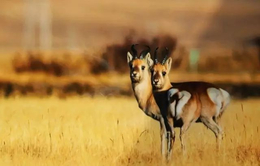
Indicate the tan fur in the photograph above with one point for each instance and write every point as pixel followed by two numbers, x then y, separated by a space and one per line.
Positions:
pixel 203 106
pixel 141 84
pixel 153 99
pixel 163 81
pixel 142 88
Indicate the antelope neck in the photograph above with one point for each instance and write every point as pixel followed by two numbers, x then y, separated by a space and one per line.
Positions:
pixel 143 92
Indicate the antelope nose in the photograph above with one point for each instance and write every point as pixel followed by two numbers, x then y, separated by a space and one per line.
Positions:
pixel 156 81
pixel 134 74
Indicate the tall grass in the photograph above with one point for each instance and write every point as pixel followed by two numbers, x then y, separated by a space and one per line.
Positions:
pixel 113 131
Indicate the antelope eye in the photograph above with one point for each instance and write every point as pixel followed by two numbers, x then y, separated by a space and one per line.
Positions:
pixel 163 73
pixel 143 67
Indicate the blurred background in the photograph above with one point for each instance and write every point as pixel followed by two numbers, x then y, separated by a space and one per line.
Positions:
pixel 66 48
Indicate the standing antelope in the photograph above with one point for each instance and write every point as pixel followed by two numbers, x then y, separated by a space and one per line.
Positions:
pixel 142 86
pixel 187 102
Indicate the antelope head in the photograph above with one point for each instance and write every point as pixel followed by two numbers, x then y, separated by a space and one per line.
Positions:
pixel 160 71
pixel 139 66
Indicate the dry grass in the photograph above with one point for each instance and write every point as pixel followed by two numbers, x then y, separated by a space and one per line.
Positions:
pixel 113 131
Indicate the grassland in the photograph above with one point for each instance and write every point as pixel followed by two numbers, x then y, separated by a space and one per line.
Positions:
pixel 113 131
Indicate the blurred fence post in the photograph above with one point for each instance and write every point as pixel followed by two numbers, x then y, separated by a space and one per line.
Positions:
pixel 193 60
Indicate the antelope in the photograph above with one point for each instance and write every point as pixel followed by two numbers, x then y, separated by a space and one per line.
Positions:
pixel 142 87
pixel 186 102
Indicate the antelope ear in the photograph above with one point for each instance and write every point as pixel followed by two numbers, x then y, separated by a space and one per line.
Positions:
pixel 129 57
pixel 168 64
pixel 149 59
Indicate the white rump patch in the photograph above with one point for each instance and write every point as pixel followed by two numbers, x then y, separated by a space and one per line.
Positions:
pixel 215 96
pixel 226 98
pixel 183 96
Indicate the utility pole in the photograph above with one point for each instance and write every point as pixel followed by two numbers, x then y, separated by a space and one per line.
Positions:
pixel 45 25
pixel 29 24
pixel 37 16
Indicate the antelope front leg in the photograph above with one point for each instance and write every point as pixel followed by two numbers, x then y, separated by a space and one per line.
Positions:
pixel 163 138
pixel 170 138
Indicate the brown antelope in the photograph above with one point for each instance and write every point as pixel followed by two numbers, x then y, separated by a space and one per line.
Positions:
pixel 186 102
pixel 142 86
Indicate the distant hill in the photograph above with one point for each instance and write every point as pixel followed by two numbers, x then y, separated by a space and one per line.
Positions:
pixel 94 24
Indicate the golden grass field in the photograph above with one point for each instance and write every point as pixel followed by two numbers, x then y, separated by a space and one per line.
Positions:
pixel 113 131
